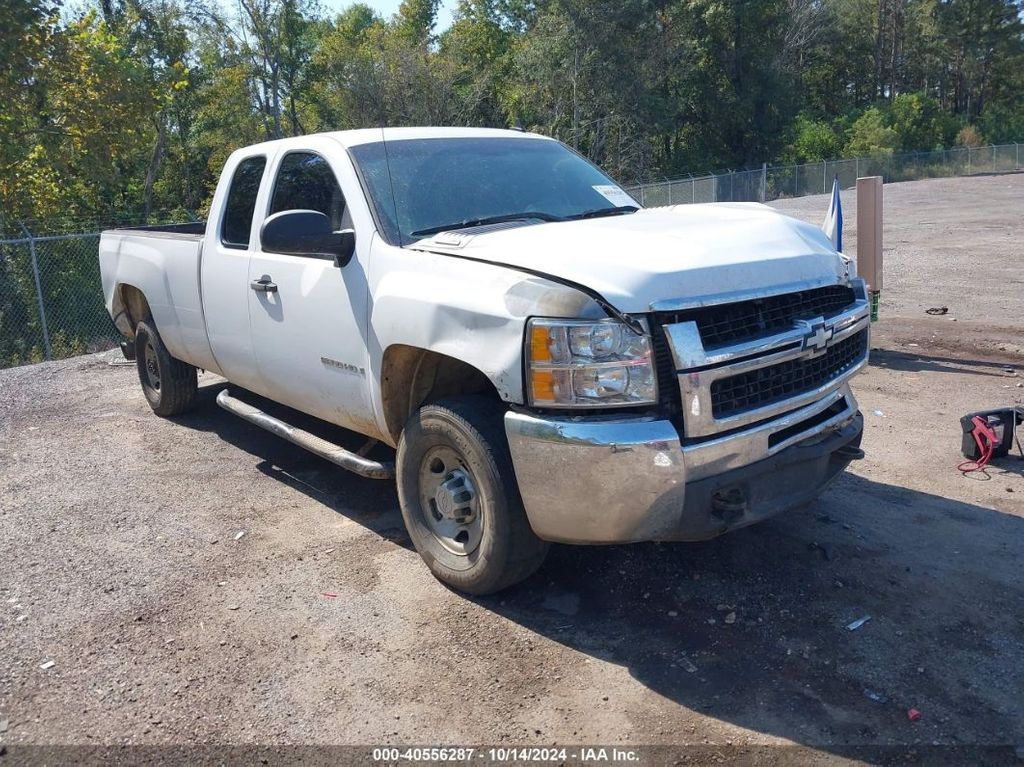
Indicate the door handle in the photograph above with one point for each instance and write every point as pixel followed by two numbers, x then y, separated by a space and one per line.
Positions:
pixel 263 285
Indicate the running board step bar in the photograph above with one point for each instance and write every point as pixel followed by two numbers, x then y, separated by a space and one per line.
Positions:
pixel 336 454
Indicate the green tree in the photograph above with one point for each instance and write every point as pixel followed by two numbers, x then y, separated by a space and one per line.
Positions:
pixel 1003 123
pixel 369 72
pixel 814 140
pixel 870 135
pixel 416 19
pixel 577 77
pixel 984 43
pixel 80 166
pixel 480 45
pixel 921 123
pixel 29 26
pixel 133 105
pixel 739 93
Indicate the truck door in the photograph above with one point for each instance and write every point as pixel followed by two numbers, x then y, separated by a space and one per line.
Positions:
pixel 308 334
pixel 225 268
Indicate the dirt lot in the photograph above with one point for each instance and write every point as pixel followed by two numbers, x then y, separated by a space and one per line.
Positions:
pixel 120 561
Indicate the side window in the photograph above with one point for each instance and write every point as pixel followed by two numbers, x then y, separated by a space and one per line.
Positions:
pixel 245 184
pixel 306 182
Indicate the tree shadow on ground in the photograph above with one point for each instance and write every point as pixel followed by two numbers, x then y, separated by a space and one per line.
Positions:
pixel 911 362
pixel 368 502
pixel 751 628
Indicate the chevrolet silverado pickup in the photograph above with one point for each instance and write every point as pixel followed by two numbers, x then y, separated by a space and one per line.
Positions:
pixel 543 360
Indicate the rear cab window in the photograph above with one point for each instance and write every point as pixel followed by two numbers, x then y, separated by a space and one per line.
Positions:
pixel 236 227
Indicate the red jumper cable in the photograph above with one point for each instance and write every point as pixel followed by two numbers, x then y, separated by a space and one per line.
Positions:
pixel 986 439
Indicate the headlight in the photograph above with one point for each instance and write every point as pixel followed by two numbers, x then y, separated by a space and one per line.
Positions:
pixel 583 363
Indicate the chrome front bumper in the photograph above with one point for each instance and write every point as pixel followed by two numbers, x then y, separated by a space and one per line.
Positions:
pixel 620 480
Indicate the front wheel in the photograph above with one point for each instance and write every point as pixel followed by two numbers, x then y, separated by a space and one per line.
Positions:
pixel 460 500
pixel 169 384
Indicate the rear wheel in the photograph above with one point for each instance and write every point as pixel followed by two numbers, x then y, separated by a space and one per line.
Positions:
pixel 460 500
pixel 169 384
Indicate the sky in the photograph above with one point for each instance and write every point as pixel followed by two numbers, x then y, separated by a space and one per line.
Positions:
pixel 388 7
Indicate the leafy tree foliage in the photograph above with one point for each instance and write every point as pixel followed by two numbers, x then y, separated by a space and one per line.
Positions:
pixel 814 140
pixel 113 109
pixel 869 135
pixel 921 123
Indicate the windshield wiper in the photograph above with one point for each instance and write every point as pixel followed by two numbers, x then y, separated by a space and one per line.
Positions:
pixel 486 220
pixel 601 212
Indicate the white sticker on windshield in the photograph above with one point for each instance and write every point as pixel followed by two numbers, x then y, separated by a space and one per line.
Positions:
pixel 614 195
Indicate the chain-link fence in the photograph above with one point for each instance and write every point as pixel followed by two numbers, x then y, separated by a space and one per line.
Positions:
pixel 51 297
pixel 773 182
pixel 51 302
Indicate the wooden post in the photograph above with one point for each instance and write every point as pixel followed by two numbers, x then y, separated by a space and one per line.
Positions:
pixel 869 237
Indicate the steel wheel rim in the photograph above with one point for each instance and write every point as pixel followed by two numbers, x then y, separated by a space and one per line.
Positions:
pixel 152 365
pixel 449 501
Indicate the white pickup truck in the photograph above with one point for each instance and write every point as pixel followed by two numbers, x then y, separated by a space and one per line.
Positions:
pixel 549 361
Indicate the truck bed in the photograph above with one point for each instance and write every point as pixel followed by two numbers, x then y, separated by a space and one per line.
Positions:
pixel 192 230
pixel 163 263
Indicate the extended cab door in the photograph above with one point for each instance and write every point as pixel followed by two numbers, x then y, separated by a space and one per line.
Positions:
pixel 308 334
pixel 225 266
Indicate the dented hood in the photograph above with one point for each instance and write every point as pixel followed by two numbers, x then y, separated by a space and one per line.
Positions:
pixel 682 253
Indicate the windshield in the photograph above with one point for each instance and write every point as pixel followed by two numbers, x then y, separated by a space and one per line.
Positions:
pixel 441 183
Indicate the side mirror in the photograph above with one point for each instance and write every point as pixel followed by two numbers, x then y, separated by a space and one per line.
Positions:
pixel 307 233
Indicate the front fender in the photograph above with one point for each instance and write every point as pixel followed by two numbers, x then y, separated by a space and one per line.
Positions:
pixel 473 312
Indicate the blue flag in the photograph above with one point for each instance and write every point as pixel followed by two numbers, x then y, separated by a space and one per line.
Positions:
pixel 833 224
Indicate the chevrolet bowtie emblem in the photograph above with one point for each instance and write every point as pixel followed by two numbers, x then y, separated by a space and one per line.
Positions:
pixel 816 334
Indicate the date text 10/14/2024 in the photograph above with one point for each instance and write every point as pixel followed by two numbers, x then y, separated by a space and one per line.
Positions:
pixel 504 754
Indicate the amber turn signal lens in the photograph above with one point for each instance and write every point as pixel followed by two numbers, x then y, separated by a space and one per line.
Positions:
pixel 540 349
pixel 542 383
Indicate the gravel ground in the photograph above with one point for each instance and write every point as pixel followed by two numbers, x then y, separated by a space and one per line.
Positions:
pixel 950 242
pixel 198 580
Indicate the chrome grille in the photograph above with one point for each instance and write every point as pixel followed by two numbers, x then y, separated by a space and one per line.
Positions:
pixel 786 352
pixel 668 385
pixel 746 320
pixel 775 383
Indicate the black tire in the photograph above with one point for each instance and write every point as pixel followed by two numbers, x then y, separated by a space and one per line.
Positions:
pixel 170 385
pixel 455 440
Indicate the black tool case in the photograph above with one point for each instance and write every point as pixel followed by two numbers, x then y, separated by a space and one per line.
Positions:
pixel 1003 422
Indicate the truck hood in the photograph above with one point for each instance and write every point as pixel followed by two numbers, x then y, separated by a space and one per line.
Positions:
pixel 686 253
